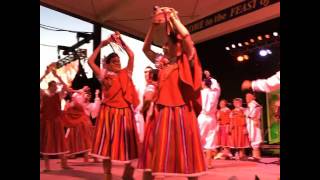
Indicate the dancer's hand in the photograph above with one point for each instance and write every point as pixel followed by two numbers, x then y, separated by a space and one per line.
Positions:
pixel 106 42
pixel 246 85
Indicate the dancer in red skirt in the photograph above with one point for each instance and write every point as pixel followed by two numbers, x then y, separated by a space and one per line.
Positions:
pixel 238 127
pixel 115 136
pixel 52 141
pixel 147 110
pixel 177 149
pixel 223 116
pixel 76 118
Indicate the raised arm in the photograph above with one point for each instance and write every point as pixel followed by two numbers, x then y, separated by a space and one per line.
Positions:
pixel 147 43
pixel 187 43
pixel 128 51
pixel 96 69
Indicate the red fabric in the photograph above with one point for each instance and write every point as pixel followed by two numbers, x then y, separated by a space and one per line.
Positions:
pixel 128 89
pixel 51 106
pixel 239 133
pixel 224 117
pixel 121 93
pixel 192 78
pixel 181 84
pixel 52 139
pixel 74 116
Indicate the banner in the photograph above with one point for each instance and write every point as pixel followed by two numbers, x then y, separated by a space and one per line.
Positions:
pixel 273 114
pixel 227 14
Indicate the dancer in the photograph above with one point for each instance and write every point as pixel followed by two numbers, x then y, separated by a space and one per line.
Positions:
pixel 207 121
pixel 52 141
pixel 223 117
pixel 147 110
pixel 253 118
pixel 76 118
pixel 177 149
pixel 115 136
pixel 238 129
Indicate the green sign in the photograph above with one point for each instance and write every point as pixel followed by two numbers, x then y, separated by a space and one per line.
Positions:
pixel 273 114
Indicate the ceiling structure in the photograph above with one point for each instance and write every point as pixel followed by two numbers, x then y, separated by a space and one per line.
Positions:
pixel 133 17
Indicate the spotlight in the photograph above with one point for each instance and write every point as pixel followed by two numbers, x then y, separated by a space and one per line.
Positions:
pixel 267 36
pixel 240 58
pixel 275 33
pixel 227 48
pixel 269 51
pixel 233 46
pixel 252 40
pixel 263 52
pixel 246 43
pixel 239 44
pixel 245 57
pixel 259 38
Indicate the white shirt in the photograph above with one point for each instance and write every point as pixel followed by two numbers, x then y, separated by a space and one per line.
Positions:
pixel 267 85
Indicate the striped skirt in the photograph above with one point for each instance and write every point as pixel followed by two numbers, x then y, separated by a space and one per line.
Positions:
pixel 145 157
pixel 52 140
pixel 176 149
pixel 115 136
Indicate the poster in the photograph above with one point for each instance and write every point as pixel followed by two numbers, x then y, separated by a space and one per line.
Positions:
pixel 273 116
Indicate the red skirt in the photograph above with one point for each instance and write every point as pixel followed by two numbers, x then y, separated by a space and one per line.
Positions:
pixel 79 139
pixel 239 137
pixel 176 150
pixel 145 157
pixel 115 135
pixel 52 140
pixel 224 137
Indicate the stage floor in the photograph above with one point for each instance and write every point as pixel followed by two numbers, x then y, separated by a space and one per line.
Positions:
pixel 223 170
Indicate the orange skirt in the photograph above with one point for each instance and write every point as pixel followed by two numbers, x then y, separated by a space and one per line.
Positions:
pixel 239 137
pixel 176 150
pixel 115 136
pixel 224 138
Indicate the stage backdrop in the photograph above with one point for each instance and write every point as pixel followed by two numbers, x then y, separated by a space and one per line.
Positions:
pixel 273 116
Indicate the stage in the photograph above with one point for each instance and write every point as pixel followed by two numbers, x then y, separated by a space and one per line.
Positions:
pixel 223 170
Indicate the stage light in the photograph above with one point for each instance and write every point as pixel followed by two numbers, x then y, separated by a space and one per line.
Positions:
pixel 227 48
pixel 267 36
pixel 259 38
pixel 240 58
pixel 239 44
pixel 263 52
pixel 275 33
pixel 269 51
pixel 246 43
pixel 233 46
pixel 245 57
pixel 252 40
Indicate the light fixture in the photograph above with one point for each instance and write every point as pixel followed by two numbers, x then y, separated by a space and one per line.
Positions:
pixel 233 46
pixel 239 44
pixel 275 33
pixel 240 58
pixel 227 48
pixel 259 38
pixel 246 43
pixel 269 51
pixel 245 57
pixel 263 52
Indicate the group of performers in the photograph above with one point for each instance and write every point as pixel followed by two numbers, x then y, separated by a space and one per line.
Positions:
pixel 180 114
